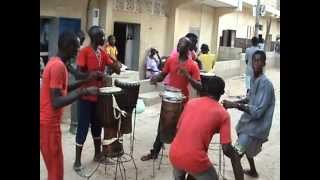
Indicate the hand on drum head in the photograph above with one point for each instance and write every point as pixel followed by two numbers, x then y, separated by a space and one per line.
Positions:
pixel 92 90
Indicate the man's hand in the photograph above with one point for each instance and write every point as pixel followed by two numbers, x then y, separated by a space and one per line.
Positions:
pixel 184 72
pixel 153 80
pixel 228 104
pixel 94 75
pixel 92 90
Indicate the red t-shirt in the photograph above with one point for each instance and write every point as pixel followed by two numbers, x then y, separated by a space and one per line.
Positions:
pixel 176 80
pixel 88 60
pixel 200 120
pixel 55 76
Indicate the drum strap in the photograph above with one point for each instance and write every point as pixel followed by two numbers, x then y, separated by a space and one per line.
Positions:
pixel 106 142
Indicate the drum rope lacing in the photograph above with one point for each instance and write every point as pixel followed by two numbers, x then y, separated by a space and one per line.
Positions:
pixel 122 113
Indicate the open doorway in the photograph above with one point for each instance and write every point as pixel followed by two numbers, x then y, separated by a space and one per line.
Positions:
pixel 128 44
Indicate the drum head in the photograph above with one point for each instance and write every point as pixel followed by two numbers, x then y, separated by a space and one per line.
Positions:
pixel 126 83
pixel 110 90
pixel 207 74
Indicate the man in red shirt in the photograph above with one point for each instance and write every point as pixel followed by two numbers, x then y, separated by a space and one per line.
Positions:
pixel 191 54
pixel 91 58
pixel 200 120
pixel 53 96
pixel 181 70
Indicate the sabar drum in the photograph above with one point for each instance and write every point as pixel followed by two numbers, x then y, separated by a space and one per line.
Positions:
pixel 171 108
pixel 106 115
pixel 127 101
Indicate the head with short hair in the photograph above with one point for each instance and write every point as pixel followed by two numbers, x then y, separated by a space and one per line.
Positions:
pixel 204 48
pixel 81 36
pixel 254 41
pixel 215 87
pixel 68 44
pixel 194 40
pixel 112 40
pixel 97 36
pixel 184 45
pixel 258 62
pixel 153 51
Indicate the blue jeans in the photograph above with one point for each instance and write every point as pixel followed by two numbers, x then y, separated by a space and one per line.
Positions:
pixel 86 116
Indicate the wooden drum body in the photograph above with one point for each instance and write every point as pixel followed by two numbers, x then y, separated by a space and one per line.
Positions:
pixel 112 144
pixel 127 101
pixel 171 108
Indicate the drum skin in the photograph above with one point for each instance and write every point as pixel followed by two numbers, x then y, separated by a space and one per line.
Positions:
pixel 169 116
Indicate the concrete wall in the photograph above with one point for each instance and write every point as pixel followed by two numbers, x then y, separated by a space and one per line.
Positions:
pixel 242 20
pixel 237 67
pixel 196 16
pixel 61 8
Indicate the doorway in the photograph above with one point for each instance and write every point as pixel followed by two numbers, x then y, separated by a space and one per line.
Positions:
pixel 128 44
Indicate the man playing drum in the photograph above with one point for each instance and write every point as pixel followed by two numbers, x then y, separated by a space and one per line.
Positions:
pixel 182 70
pixel 91 58
pixel 53 97
pixel 200 120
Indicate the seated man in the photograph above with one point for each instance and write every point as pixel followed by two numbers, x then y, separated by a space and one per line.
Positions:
pixel 152 64
pixel 255 123
pixel 200 120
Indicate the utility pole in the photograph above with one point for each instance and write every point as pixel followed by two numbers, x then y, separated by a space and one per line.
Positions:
pixel 256 30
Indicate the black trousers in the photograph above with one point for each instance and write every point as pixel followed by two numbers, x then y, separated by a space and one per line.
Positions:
pixel 157 143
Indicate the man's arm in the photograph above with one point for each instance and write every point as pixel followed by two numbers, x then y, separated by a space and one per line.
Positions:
pixel 194 83
pixel 238 104
pixel 231 153
pixel 158 78
pixel 59 101
pixel 75 85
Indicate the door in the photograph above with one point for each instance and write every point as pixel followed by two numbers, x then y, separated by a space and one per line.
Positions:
pixel 120 32
pixel 128 44
pixel 70 24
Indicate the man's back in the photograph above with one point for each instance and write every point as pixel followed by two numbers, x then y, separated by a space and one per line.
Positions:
pixel 200 119
pixel 208 61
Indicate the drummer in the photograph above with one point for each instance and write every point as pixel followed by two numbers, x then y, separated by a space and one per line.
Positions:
pixel 182 71
pixel 195 129
pixel 91 58
pixel 55 93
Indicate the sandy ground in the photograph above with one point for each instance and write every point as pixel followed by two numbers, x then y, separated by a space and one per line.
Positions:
pixel 267 162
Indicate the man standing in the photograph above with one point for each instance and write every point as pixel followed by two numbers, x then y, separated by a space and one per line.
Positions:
pixel 207 59
pixel 73 74
pixel 200 120
pixel 182 70
pixel 91 58
pixel 53 97
pixel 248 58
pixel 255 123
